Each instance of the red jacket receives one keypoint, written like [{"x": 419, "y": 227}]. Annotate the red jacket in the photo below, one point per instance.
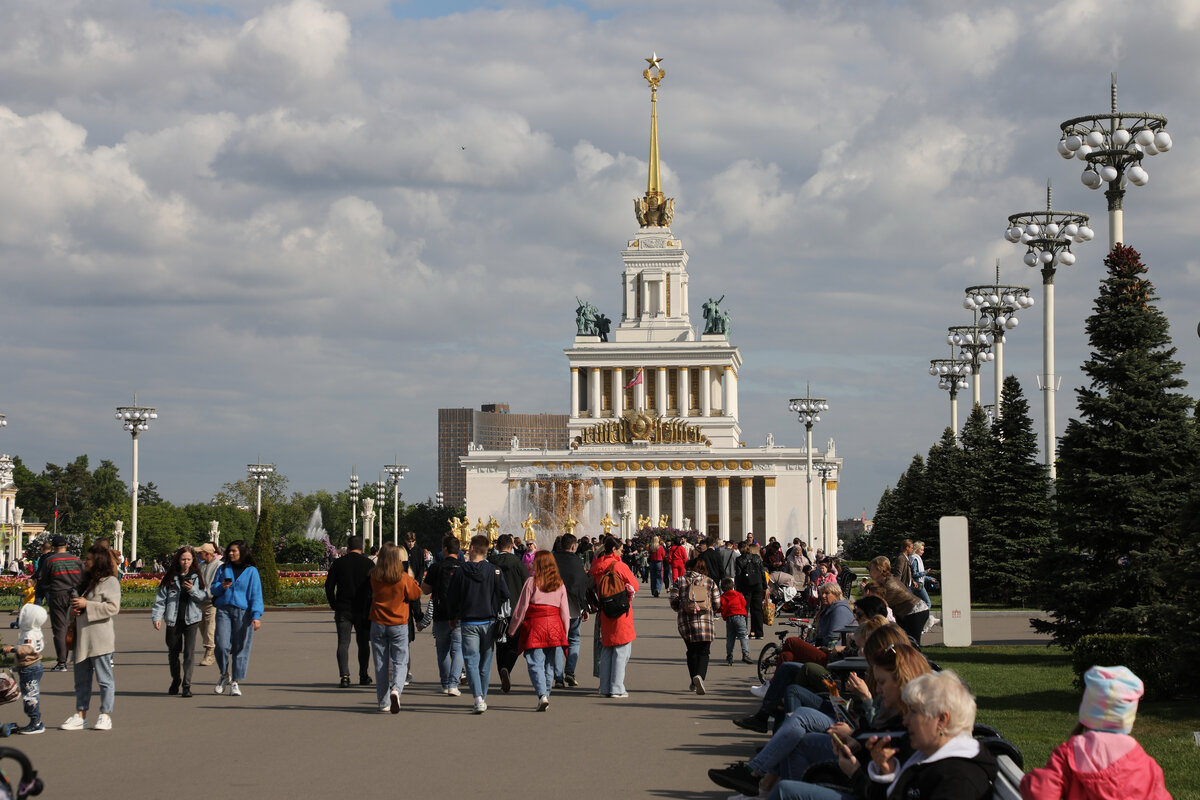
[
  {"x": 1097, "y": 766},
  {"x": 733, "y": 604},
  {"x": 619, "y": 631}
]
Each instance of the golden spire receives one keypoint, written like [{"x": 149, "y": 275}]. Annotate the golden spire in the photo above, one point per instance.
[{"x": 654, "y": 209}]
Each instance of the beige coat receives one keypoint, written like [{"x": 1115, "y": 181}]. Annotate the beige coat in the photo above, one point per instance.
[{"x": 94, "y": 631}]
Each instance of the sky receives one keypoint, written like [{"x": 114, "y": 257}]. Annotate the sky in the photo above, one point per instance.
[{"x": 299, "y": 228}]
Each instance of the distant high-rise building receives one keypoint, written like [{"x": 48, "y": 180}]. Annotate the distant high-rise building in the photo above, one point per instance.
[{"x": 492, "y": 427}]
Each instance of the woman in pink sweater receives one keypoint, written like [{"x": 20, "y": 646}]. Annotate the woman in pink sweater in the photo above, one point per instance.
[
  {"x": 1100, "y": 760},
  {"x": 542, "y": 616}
]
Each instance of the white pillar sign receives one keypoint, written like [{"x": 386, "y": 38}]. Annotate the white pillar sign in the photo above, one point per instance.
[{"x": 956, "y": 582}]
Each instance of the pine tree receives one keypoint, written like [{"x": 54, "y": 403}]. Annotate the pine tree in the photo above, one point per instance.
[
  {"x": 1125, "y": 468},
  {"x": 906, "y": 507},
  {"x": 264, "y": 557},
  {"x": 944, "y": 493}
]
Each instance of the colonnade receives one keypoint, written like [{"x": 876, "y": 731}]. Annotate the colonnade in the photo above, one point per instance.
[
  {"x": 698, "y": 514},
  {"x": 706, "y": 391}
]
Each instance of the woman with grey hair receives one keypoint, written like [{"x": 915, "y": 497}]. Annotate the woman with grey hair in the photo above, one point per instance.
[{"x": 947, "y": 762}]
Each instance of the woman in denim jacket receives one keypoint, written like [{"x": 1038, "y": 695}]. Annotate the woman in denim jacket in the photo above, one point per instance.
[{"x": 180, "y": 595}]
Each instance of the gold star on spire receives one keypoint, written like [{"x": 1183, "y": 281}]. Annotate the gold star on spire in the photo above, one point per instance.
[{"x": 654, "y": 208}]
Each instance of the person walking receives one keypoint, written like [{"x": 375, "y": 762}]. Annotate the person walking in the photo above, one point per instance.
[
  {"x": 477, "y": 592},
  {"x": 59, "y": 574},
  {"x": 237, "y": 593},
  {"x": 95, "y": 638},
  {"x": 348, "y": 590},
  {"x": 749, "y": 581},
  {"x": 392, "y": 590},
  {"x": 210, "y": 562},
  {"x": 447, "y": 638},
  {"x": 577, "y": 583},
  {"x": 695, "y": 598},
  {"x": 539, "y": 623},
  {"x": 616, "y": 632},
  {"x": 180, "y": 594},
  {"x": 512, "y": 568},
  {"x": 658, "y": 557}
]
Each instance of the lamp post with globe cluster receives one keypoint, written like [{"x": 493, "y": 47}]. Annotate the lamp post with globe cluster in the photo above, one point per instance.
[
  {"x": 997, "y": 305},
  {"x": 952, "y": 376},
  {"x": 396, "y": 472},
  {"x": 1047, "y": 237},
  {"x": 380, "y": 488},
  {"x": 354, "y": 501},
  {"x": 1113, "y": 146},
  {"x": 976, "y": 342},
  {"x": 135, "y": 419},
  {"x": 258, "y": 472},
  {"x": 808, "y": 409}
]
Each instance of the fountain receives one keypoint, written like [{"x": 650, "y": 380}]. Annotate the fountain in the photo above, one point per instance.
[
  {"x": 552, "y": 500},
  {"x": 316, "y": 527}
]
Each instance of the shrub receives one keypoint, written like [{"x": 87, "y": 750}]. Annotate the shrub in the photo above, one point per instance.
[
  {"x": 1147, "y": 656},
  {"x": 264, "y": 558}
]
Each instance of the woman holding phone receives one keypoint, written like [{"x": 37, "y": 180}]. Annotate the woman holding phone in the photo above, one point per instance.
[
  {"x": 180, "y": 593},
  {"x": 96, "y": 603},
  {"x": 237, "y": 595}
]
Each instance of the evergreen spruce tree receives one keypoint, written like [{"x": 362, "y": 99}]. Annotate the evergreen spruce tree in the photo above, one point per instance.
[
  {"x": 987, "y": 543},
  {"x": 945, "y": 493},
  {"x": 862, "y": 545},
  {"x": 1125, "y": 469},
  {"x": 264, "y": 557},
  {"x": 906, "y": 508}
]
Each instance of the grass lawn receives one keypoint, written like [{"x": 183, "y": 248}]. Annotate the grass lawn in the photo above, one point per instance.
[{"x": 1027, "y": 693}]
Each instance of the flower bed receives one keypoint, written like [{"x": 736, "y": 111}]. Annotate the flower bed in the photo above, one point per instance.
[{"x": 138, "y": 590}]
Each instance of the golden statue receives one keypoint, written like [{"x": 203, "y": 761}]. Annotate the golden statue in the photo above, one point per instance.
[
  {"x": 569, "y": 525},
  {"x": 479, "y": 526},
  {"x": 608, "y": 523},
  {"x": 664, "y": 521},
  {"x": 528, "y": 526},
  {"x": 461, "y": 530},
  {"x": 493, "y": 529}
]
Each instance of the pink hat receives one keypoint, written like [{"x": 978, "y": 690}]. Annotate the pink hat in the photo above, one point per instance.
[{"x": 1110, "y": 699}]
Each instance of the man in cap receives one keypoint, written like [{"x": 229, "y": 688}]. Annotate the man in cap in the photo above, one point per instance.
[
  {"x": 60, "y": 573},
  {"x": 210, "y": 562}
]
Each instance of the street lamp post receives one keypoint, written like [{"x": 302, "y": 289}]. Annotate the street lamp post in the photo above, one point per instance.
[
  {"x": 397, "y": 473},
  {"x": 135, "y": 419},
  {"x": 1113, "y": 146},
  {"x": 380, "y": 487},
  {"x": 258, "y": 473},
  {"x": 952, "y": 376},
  {"x": 826, "y": 471},
  {"x": 976, "y": 342},
  {"x": 1047, "y": 236},
  {"x": 997, "y": 305},
  {"x": 354, "y": 501},
  {"x": 808, "y": 409}
]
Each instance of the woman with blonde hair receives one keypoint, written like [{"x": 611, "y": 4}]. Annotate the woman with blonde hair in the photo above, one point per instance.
[
  {"x": 658, "y": 558},
  {"x": 392, "y": 590},
  {"x": 542, "y": 616},
  {"x": 911, "y": 611}
]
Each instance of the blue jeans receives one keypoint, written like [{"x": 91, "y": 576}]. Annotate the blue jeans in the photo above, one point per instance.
[
  {"x": 541, "y": 668},
  {"x": 799, "y": 743},
  {"x": 736, "y": 631},
  {"x": 612, "y": 668},
  {"x": 797, "y": 696},
  {"x": 478, "y": 645},
  {"x": 102, "y": 667},
  {"x": 921, "y": 592},
  {"x": 389, "y": 645},
  {"x": 235, "y": 635},
  {"x": 31, "y": 692},
  {"x": 656, "y": 577},
  {"x": 448, "y": 642},
  {"x": 785, "y": 675},
  {"x": 799, "y": 790},
  {"x": 565, "y": 664}
]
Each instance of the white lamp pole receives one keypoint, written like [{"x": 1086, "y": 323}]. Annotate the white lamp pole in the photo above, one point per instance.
[
  {"x": 380, "y": 487},
  {"x": 354, "y": 501},
  {"x": 258, "y": 473},
  {"x": 952, "y": 376},
  {"x": 808, "y": 409},
  {"x": 135, "y": 419},
  {"x": 997, "y": 305},
  {"x": 397, "y": 473}
]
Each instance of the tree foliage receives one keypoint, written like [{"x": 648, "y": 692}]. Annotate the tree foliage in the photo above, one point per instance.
[{"x": 264, "y": 556}]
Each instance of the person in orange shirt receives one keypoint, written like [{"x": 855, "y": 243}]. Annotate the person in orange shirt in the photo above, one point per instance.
[
  {"x": 392, "y": 589},
  {"x": 616, "y": 633}
]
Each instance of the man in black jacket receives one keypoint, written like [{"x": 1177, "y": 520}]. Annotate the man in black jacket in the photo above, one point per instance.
[
  {"x": 515, "y": 574},
  {"x": 60, "y": 572},
  {"x": 348, "y": 590},
  {"x": 577, "y": 581},
  {"x": 477, "y": 591}
]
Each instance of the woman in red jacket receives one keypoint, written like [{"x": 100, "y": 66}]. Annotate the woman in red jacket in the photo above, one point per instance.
[
  {"x": 542, "y": 616},
  {"x": 616, "y": 634},
  {"x": 679, "y": 558}
]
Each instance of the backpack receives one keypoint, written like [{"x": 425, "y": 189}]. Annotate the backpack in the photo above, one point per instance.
[
  {"x": 701, "y": 601},
  {"x": 614, "y": 599},
  {"x": 441, "y": 594},
  {"x": 750, "y": 573}
]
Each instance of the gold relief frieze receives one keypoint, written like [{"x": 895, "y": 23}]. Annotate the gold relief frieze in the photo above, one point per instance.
[
  {"x": 538, "y": 464},
  {"x": 606, "y": 466},
  {"x": 620, "y": 465},
  {"x": 676, "y": 465},
  {"x": 593, "y": 465},
  {"x": 747, "y": 465},
  {"x": 689, "y": 465},
  {"x": 649, "y": 465},
  {"x": 704, "y": 465},
  {"x": 635, "y": 466},
  {"x": 663, "y": 465},
  {"x": 641, "y": 426},
  {"x": 551, "y": 465}
]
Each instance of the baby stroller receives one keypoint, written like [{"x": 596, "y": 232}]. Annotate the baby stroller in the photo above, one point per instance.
[
  {"x": 10, "y": 692},
  {"x": 27, "y": 784}
]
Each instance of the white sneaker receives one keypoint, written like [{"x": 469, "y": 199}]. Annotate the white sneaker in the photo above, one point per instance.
[
  {"x": 73, "y": 723},
  {"x": 235, "y": 690},
  {"x": 453, "y": 691},
  {"x": 103, "y": 723},
  {"x": 543, "y": 703},
  {"x": 759, "y": 691},
  {"x": 480, "y": 705},
  {"x": 222, "y": 682},
  {"x": 697, "y": 684},
  {"x": 619, "y": 695}
]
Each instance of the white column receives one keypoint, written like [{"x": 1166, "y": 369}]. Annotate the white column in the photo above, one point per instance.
[
  {"x": 608, "y": 496},
  {"x": 723, "y": 509},
  {"x": 660, "y": 391},
  {"x": 705, "y": 392},
  {"x": 639, "y": 393},
  {"x": 133, "y": 509},
  {"x": 770, "y": 523},
  {"x": 685, "y": 392},
  {"x": 677, "y": 502},
  {"x": 729, "y": 391},
  {"x": 631, "y": 493},
  {"x": 594, "y": 392},
  {"x": 655, "y": 507},
  {"x": 618, "y": 392},
  {"x": 808, "y": 503},
  {"x": 716, "y": 399},
  {"x": 998, "y": 349},
  {"x": 701, "y": 516},
  {"x": 1049, "y": 381},
  {"x": 574, "y": 391},
  {"x": 748, "y": 506}
]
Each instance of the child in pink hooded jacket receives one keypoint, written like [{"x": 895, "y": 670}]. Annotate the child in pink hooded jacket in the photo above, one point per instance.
[{"x": 1100, "y": 760}]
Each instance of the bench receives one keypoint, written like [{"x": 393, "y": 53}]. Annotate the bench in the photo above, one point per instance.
[{"x": 1008, "y": 780}]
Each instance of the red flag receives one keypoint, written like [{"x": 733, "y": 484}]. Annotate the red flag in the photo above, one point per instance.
[{"x": 636, "y": 380}]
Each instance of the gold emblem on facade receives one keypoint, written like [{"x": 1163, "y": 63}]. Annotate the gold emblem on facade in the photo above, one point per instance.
[
  {"x": 606, "y": 466},
  {"x": 689, "y": 464},
  {"x": 635, "y": 466},
  {"x": 620, "y": 466},
  {"x": 704, "y": 465},
  {"x": 663, "y": 465},
  {"x": 747, "y": 464},
  {"x": 641, "y": 426},
  {"x": 648, "y": 465},
  {"x": 676, "y": 465}
]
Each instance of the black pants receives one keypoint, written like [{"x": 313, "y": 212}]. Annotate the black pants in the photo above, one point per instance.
[
  {"x": 914, "y": 625},
  {"x": 697, "y": 658},
  {"x": 507, "y": 652},
  {"x": 345, "y": 621},
  {"x": 60, "y": 618},
  {"x": 754, "y": 601},
  {"x": 181, "y": 639}
]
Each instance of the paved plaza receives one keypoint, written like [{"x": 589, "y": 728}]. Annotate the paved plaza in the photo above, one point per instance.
[{"x": 295, "y": 734}]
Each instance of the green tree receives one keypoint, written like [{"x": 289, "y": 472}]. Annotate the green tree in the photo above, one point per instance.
[
  {"x": 264, "y": 557},
  {"x": 1125, "y": 468},
  {"x": 946, "y": 492},
  {"x": 905, "y": 510},
  {"x": 243, "y": 492}
]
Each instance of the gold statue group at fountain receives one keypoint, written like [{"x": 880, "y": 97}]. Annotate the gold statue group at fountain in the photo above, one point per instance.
[{"x": 462, "y": 530}]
